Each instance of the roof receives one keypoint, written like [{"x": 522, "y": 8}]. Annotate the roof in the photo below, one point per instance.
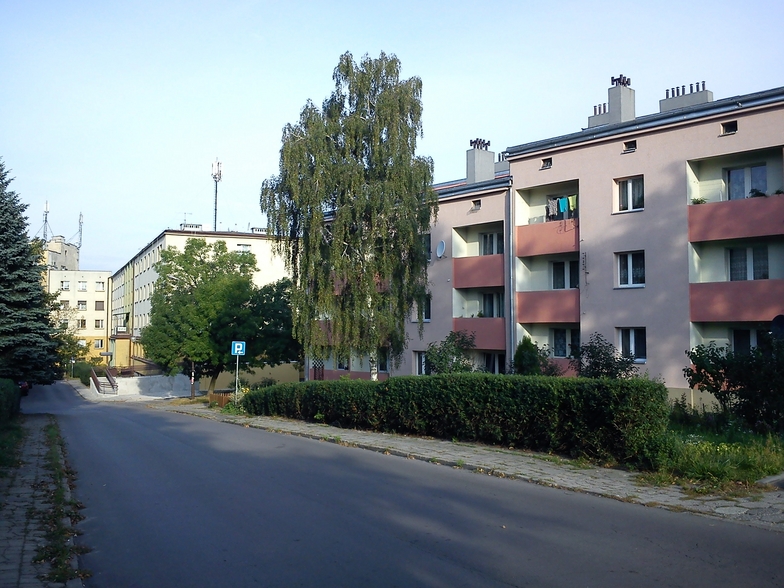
[{"x": 688, "y": 113}]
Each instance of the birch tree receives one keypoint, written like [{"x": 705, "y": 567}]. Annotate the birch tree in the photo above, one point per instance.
[{"x": 349, "y": 209}]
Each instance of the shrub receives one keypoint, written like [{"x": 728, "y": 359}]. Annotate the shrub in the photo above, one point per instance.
[
  {"x": 532, "y": 360},
  {"x": 617, "y": 420},
  {"x": 599, "y": 359},
  {"x": 10, "y": 397},
  {"x": 451, "y": 355}
]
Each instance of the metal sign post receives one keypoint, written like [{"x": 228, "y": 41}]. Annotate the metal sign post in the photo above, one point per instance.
[{"x": 237, "y": 348}]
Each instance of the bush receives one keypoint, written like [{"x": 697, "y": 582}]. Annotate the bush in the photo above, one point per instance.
[
  {"x": 10, "y": 397},
  {"x": 82, "y": 369},
  {"x": 532, "y": 360},
  {"x": 616, "y": 420},
  {"x": 452, "y": 355},
  {"x": 599, "y": 359}
]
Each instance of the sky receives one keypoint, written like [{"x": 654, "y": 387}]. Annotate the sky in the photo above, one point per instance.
[{"x": 116, "y": 110}]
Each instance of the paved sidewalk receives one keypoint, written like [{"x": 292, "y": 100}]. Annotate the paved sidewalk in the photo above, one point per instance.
[
  {"x": 24, "y": 497},
  {"x": 762, "y": 509}
]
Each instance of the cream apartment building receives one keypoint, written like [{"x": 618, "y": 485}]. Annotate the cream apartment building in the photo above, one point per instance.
[
  {"x": 134, "y": 283},
  {"x": 659, "y": 232}
]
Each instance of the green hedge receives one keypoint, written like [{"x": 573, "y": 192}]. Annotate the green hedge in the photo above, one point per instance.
[
  {"x": 619, "y": 420},
  {"x": 10, "y": 397}
]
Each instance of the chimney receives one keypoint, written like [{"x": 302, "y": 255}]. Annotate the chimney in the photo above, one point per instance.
[
  {"x": 620, "y": 98},
  {"x": 480, "y": 162},
  {"x": 678, "y": 98}
]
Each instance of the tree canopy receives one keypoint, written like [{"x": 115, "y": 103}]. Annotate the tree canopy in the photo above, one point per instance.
[
  {"x": 27, "y": 348},
  {"x": 349, "y": 209},
  {"x": 203, "y": 300}
]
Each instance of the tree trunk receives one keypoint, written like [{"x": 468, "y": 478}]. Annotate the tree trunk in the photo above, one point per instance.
[
  {"x": 213, "y": 379},
  {"x": 374, "y": 367}
]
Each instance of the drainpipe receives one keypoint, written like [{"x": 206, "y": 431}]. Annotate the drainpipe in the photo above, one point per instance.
[{"x": 510, "y": 216}]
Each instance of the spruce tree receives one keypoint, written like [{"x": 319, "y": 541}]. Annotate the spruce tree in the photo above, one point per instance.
[
  {"x": 349, "y": 211},
  {"x": 27, "y": 349}
]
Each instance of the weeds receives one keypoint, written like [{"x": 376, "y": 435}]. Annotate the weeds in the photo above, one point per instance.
[
  {"x": 234, "y": 409},
  {"x": 11, "y": 435}
]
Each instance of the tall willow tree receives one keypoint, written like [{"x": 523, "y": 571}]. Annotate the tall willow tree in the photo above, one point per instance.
[{"x": 349, "y": 210}]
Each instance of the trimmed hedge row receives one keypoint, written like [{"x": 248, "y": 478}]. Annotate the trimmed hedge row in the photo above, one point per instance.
[
  {"x": 620, "y": 420},
  {"x": 10, "y": 397}
]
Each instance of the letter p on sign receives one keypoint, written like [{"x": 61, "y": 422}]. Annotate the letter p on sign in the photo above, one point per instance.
[{"x": 238, "y": 347}]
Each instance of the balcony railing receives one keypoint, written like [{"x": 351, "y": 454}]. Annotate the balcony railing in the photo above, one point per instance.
[
  {"x": 490, "y": 332},
  {"x": 483, "y": 271},
  {"x": 548, "y": 238},
  {"x": 548, "y": 306},
  {"x": 746, "y": 301},
  {"x": 736, "y": 219}
]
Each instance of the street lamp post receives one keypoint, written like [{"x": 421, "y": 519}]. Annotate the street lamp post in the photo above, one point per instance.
[{"x": 216, "y": 175}]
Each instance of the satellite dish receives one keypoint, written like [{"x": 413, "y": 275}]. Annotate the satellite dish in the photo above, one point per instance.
[
  {"x": 777, "y": 327},
  {"x": 440, "y": 249}
]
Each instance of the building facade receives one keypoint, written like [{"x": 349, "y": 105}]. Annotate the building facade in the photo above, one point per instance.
[{"x": 658, "y": 232}]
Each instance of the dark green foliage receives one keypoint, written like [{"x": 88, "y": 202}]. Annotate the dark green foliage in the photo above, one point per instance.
[
  {"x": 748, "y": 385},
  {"x": 598, "y": 358},
  {"x": 451, "y": 356},
  {"x": 82, "y": 370},
  {"x": 532, "y": 360},
  {"x": 618, "y": 420},
  {"x": 349, "y": 209},
  {"x": 9, "y": 399},
  {"x": 27, "y": 348}
]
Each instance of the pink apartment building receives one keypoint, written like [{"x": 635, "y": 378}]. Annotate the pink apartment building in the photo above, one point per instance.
[{"x": 659, "y": 232}]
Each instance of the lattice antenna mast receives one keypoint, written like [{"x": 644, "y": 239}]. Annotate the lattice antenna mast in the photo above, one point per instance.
[
  {"x": 81, "y": 225},
  {"x": 216, "y": 175},
  {"x": 46, "y": 222}
]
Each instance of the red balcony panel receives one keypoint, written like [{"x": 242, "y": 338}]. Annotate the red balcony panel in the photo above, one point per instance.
[
  {"x": 490, "y": 332},
  {"x": 565, "y": 365},
  {"x": 548, "y": 306},
  {"x": 548, "y": 238},
  {"x": 751, "y": 300},
  {"x": 736, "y": 219},
  {"x": 482, "y": 271}
]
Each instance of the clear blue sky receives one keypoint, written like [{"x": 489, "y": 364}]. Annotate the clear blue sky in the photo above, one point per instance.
[{"x": 117, "y": 109}]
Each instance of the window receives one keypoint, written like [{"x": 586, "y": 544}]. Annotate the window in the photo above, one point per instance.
[
  {"x": 631, "y": 269},
  {"x": 426, "y": 240},
  {"x": 99, "y": 323},
  {"x": 495, "y": 363},
  {"x": 422, "y": 368},
  {"x": 343, "y": 363},
  {"x": 729, "y": 127},
  {"x": 64, "y": 304},
  {"x": 747, "y": 263},
  {"x": 100, "y": 286},
  {"x": 492, "y": 304},
  {"x": 547, "y": 163},
  {"x": 566, "y": 342},
  {"x": 99, "y": 305},
  {"x": 566, "y": 272},
  {"x": 65, "y": 285},
  {"x": 81, "y": 286},
  {"x": 630, "y": 194},
  {"x": 81, "y": 323},
  {"x": 744, "y": 340},
  {"x": 243, "y": 247},
  {"x": 425, "y": 310},
  {"x": 629, "y": 146},
  {"x": 98, "y": 343},
  {"x": 633, "y": 343},
  {"x": 383, "y": 359},
  {"x": 81, "y": 305},
  {"x": 743, "y": 182},
  {"x": 491, "y": 243},
  {"x": 476, "y": 204}
]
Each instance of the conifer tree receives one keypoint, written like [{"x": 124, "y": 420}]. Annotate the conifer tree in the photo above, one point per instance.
[
  {"x": 27, "y": 348},
  {"x": 349, "y": 210}
]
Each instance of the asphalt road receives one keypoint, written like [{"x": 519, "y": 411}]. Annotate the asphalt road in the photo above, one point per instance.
[{"x": 177, "y": 501}]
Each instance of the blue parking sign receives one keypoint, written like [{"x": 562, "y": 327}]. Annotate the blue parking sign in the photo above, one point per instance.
[{"x": 238, "y": 347}]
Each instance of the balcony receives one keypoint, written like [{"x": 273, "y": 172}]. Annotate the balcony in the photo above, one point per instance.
[
  {"x": 483, "y": 271},
  {"x": 747, "y": 301},
  {"x": 548, "y": 306},
  {"x": 548, "y": 238},
  {"x": 490, "y": 332},
  {"x": 736, "y": 219}
]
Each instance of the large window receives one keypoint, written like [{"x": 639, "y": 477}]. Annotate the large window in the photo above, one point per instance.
[
  {"x": 495, "y": 363},
  {"x": 100, "y": 286},
  {"x": 744, "y": 340},
  {"x": 492, "y": 304},
  {"x": 99, "y": 323},
  {"x": 566, "y": 342},
  {"x": 631, "y": 269},
  {"x": 81, "y": 323},
  {"x": 633, "y": 343},
  {"x": 743, "y": 182},
  {"x": 99, "y": 305},
  {"x": 65, "y": 285},
  {"x": 81, "y": 305},
  {"x": 81, "y": 286},
  {"x": 491, "y": 243},
  {"x": 383, "y": 359},
  {"x": 422, "y": 369},
  {"x": 566, "y": 274},
  {"x": 747, "y": 263},
  {"x": 631, "y": 194},
  {"x": 98, "y": 343}
]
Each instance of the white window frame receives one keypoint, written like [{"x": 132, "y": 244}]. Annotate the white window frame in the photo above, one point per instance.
[
  {"x": 753, "y": 253},
  {"x": 420, "y": 364},
  {"x": 570, "y": 335},
  {"x": 566, "y": 273},
  {"x": 491, "y": 243},
  {"x": 98, "y": 343},
  {"x": 625, "y": 264},
  {"x": 243, "y": 247},
  {"x": 494, "y": 362},
  {"x": 81, "y": 286},
  {"x": 497, "y": 301},
  {"x": 81, "y": 323},
  {"x": 628, "y": 342},
  {"x": 81, "y": 305},
  {"x": 748, "y": 184},
  {"x": 626, "y": 186},
  {"x": 99, "y": 324},
  {"x": 100, "y": 286},
  {"x": 65, "y": 285}
]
